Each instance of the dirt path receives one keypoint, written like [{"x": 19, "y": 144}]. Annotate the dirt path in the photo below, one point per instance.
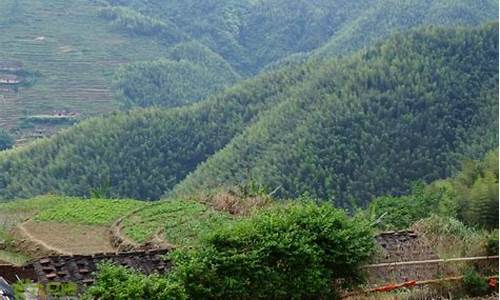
[{"x": 65, "y": 239}]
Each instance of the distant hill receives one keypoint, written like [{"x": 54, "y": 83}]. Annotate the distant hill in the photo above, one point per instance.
[
  {"x": 72, "y": 55},
  {"x": 71, "y": 49},
  {"x": 345, "y": 131},
  {"x": 384, "y": 18}
]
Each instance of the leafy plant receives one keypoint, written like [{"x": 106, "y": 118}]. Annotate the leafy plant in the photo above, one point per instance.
[
  {"x": 291, "y": 252},
  {"x": 475, "y": 285},
  {"x": 297, "y": 251},
  {"x": 120, "y": 283}
]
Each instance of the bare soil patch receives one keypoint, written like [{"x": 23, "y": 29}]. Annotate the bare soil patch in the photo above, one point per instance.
[{"x": 65, "y": 239}]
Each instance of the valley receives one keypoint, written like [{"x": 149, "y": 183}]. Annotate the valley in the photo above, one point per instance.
[{"x": 249, "y": 149}]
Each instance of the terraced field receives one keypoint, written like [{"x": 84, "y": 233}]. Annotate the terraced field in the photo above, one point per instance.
[
  {"x": 59, "y": 225},
  {"x": 73, "y": 51},
  {"x": 179, "y": 222}
]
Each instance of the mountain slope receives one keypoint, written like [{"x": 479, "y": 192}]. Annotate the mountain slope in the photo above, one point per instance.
[
  {"x": 141, "y": 153},
  {"x": 384, "y": 18},
  {"x": 191, "y": 72},
  {"x": 73, "y": 52},
  {"x": 70, "y": 49},
  {"x": 372, "y": 124},
  {"x": 356, "y": 127}
]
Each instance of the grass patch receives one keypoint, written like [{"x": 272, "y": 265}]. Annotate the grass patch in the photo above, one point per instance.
[
  {"x": 15, "y": 212},
  {"x": 89, "y": 212},
  {"x": 14, "y": 258},
  {"x": 180, "y": 221}
]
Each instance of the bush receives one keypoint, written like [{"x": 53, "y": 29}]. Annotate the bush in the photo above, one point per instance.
[
  {"x": 475, "y": 285},
  {"x": 492, "y": 243},
  {"x": 292, "y": 252},
  {"x": 296, "y": 251},
  {"x": 116, "y": 283}
]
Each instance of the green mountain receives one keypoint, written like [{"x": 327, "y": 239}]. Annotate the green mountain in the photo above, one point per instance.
[
  {"x": 373, "y": 123},
  {"x": 70, "y": 50},
  {"x": 351, "y": 128},
  {"x": 191, "y": 72},
  {"x": 384, "y": 18},
  {"x": 141, "y": 153}
]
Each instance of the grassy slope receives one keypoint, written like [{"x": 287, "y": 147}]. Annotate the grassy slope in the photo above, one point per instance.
[
  {"x": 89, "y": 212},
  {"x": 75, "y": 60},
  {"x": 178, "y": 221},
  {"x": 61, "y": 210}
]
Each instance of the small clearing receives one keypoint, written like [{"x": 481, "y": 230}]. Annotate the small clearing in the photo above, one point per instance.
[{"x": 68, "y": 239}]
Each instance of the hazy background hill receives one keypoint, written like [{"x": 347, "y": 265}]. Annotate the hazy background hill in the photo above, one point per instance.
[
  {"x": 179, "y": 51},
  {"x": 410, "y": 108}
]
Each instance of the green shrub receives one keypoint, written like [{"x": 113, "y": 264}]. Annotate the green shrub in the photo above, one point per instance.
[
  {"x": 286, "y": 252},
  {"x": 492, "y": 243},
  {"x": 292, "y": 252},
  {"x": 475, "y": 285},
  {"x": 116, "y": 283}
]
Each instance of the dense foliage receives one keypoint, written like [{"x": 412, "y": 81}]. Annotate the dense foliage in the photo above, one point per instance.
[
  {"x": 291, "y": 252},
  {"x": 192, "y": 73},
  {"x": 134, "y": 22},
  {"x": 372, "y": 124},
  {"x": 471, "y": 196},
  {"x": 120, "y": 283},
  {"x": 383, "y": 18},
  {"x": 358, "y": 127},
  {"x": 141, "y": 153},
  {"x": 251, "y": 34}
]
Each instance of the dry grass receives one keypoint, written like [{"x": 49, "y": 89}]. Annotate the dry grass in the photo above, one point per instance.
[{"x": 233, "y": 203}]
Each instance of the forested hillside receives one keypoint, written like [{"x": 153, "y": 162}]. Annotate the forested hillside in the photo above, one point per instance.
[
  {"x": 355, "y": 128},
  {"x": 190, "y": 73},
  {"x": 251, "y": 34},
  {"x": 170, "y": 53},
  {"x": 141, "y": 153},
  {"x": 371, "y": 124}
]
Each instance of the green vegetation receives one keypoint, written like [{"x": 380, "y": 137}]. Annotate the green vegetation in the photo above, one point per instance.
[
  {"x": 136, "y": 23},
  {"x": 296, "y": 251},
  {"x": 6, "y": 140},
  {"x": 346, "y": 131},
  {"x": 371, "y": 124},
  {"x": 451, "y": 238},
  {"x": 383, "y": 18},
  {"x": 12, "y": 257},
  {"x": 252, "y": 34},
  {"x": 166, "y": 83},
  {"x": 180, "y": 222},
  {"x": 89, "y": 39},
  {"x": 475, "y": 284},
  {"x": 141, "y": 153},
  {"x": 471, "y": 196},
  {"x": 14, "y": 212},
  {"x": 120, "y": 283},
  {"x": 88, "y": 212},
  {"x": 72, "y": 54}
]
